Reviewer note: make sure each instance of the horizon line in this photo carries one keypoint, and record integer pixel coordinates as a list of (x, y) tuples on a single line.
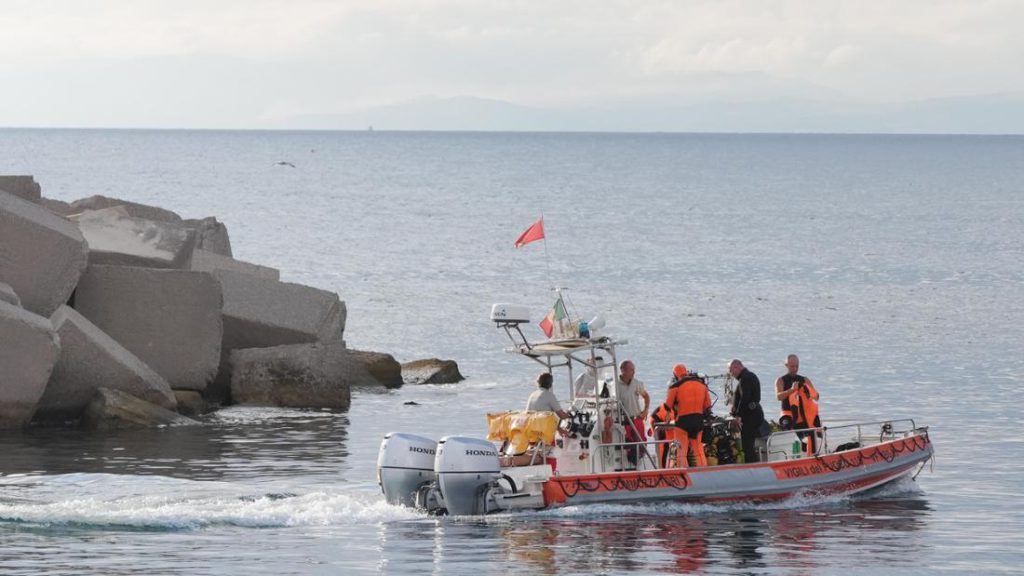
[(373, 130)]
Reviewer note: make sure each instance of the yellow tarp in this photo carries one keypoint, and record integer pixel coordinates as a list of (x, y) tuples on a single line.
[(521, 429)]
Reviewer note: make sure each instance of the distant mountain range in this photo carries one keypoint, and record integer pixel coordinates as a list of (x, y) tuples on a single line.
[(989, 114)]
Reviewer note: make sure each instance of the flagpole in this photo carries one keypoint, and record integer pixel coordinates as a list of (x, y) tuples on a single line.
[(547, 256)]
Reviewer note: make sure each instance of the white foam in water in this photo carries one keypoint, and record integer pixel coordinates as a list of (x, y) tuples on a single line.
[(903, 487), (261, 415), (95, 502)]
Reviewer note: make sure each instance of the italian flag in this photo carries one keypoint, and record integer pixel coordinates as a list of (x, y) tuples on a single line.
[(554, 317)]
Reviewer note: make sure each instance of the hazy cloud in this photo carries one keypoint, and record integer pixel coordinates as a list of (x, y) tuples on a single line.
[(146, 62)]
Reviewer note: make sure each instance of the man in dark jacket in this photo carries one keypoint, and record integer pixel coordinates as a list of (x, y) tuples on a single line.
[(746, 406)]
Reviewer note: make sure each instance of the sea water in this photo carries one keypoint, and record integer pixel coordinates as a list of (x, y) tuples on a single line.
[(893, 265)]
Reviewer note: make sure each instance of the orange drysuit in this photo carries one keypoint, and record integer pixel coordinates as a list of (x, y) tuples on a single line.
[(688, 400)]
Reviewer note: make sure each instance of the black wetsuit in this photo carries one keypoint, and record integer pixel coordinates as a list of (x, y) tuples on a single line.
[(788, 382), (747, 405)]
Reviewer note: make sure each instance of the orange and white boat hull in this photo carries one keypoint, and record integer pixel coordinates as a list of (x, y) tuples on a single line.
[(845, 472)]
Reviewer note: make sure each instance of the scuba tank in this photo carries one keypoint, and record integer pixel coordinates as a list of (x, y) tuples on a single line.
[(737, 448), (710, 455), (723, 447)]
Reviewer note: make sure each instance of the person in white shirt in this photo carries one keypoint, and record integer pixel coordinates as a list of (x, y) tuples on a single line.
[(543, 399), (629, 390), (585, 384)]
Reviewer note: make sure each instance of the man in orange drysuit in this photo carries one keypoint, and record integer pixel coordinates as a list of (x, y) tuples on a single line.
[(689, 399)]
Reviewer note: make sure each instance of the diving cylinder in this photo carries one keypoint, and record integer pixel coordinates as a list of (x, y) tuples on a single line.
[(405, 462), (465, 467)]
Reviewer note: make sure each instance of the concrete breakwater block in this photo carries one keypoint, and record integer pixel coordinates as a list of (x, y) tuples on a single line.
[(24, 187), (89, 358), (42, 255), (56, 206), (211, 235), (7, 294), (117, 238), (206, 261), (28, 351), (133, 209), (431, 371), (170, 319), (296, 376), (259, 312), (113, 409)]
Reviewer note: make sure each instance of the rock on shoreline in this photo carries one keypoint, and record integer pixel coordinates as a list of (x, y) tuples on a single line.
[(115, 313), (431, 371), (114, 410)]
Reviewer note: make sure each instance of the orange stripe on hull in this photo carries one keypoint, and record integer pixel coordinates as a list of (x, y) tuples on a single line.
[(560, 489)]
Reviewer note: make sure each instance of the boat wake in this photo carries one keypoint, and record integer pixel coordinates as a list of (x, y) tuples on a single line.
[(160, 503), (157, 503)]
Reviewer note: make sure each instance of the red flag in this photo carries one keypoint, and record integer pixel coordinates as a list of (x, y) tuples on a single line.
[(533, 233)]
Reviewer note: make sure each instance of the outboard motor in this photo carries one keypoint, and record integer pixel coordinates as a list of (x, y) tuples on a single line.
[(465, 467), (405, 463)]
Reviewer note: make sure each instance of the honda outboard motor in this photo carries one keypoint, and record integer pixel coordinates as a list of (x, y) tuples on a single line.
[(465, 468), (405, 463)]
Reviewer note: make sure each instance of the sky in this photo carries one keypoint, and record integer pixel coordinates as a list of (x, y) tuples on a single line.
[(266, 63)]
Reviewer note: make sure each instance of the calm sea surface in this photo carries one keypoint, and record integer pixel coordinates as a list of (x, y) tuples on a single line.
[(894, 265)]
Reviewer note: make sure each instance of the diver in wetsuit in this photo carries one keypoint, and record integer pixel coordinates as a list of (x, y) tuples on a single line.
[(747, 407)]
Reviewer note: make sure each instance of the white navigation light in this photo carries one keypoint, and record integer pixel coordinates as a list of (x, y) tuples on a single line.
[(510, 313)]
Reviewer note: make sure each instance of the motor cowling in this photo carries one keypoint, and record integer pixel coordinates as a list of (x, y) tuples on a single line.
[(465, 467), (405, 463)]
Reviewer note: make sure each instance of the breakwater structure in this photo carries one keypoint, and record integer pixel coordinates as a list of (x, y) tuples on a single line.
[(118, 314)]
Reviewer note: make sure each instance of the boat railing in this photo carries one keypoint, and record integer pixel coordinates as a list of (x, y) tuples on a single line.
[(853, 435), (649, 447)]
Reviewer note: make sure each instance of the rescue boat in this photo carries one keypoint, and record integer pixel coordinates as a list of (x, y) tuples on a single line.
[(532, 461)]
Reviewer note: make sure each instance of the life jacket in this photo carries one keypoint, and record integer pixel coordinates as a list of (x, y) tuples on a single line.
[(788, 382), (659, 416), (804, 406)]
